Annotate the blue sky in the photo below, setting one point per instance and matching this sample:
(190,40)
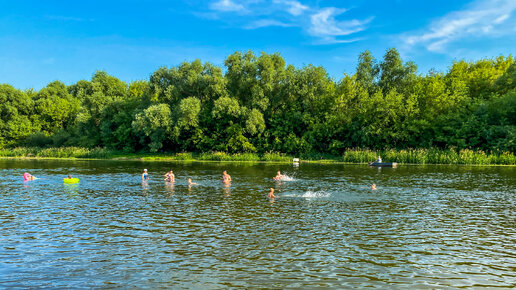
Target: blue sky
(43,41)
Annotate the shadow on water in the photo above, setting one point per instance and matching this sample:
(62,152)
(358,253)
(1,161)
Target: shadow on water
(424,227)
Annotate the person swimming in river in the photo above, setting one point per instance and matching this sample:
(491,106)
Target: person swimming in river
(226,178)
(69,176)
(28,177)
(278,176)
(271,193)
(190,183)
(169,176)
(373,186)
(145,175)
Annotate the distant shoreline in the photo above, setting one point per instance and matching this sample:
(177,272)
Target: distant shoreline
(351,156)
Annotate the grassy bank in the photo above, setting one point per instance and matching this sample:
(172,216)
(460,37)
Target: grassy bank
(407,156)
(102,153)
(431,156)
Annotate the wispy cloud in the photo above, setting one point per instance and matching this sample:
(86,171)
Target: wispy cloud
(266,23)
(485,17)
(227,6)
(320,23)
(293,7)
(325,26)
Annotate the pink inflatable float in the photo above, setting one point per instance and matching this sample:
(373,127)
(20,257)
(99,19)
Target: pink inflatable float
(28,177)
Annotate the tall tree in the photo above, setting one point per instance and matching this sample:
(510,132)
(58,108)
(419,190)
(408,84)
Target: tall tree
(15,111)
(367,71)
(55,108)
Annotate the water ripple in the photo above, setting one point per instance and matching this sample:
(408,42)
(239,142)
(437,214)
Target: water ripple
(425,227)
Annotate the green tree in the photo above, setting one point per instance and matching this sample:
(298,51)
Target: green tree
(254,123)
(395,74)
(367,71)
(205,82)
(186,130)
(15,112)
(506,82)
(55,108)
(153,123)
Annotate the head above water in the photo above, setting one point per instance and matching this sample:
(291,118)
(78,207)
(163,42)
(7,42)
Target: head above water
(69,176)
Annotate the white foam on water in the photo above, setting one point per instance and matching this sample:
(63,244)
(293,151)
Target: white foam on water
(310,194)
(316,194)
(287,178)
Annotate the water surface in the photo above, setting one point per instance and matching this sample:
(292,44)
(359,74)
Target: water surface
(425,226)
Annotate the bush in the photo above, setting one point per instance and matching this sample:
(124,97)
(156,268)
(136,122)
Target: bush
(275,156)
(38,139)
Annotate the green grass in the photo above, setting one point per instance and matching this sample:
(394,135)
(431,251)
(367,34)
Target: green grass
(62,152)
(431,156)
(405,156)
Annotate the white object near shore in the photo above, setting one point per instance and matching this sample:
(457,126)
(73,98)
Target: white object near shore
(295,160)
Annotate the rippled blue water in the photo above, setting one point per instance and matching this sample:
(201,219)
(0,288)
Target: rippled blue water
(425,226)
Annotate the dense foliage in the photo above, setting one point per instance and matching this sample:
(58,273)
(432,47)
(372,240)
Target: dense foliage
(260,104)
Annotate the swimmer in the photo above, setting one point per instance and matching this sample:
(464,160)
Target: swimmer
(278,176)
(373,187)
(169,176)
(226,178)
(271,193)
(190,183)
(145,175)
(28,177)
(69,176)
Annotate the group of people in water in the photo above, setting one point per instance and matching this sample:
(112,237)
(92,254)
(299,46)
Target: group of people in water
(170,177)
(226,179)
(29,177)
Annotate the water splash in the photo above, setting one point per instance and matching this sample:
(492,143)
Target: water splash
(287,178)
(310,194)
(315,194)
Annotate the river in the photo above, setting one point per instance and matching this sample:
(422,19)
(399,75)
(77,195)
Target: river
(424,227)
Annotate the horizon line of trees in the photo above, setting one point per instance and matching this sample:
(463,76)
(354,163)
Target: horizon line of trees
(261,104)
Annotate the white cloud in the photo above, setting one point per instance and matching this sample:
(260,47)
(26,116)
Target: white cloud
(227,5)
(501,19)
(266,23)
(482,18)
(332,40)
(293,7)
(320,23)
(324,25)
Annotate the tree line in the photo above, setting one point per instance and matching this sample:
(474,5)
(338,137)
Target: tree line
(261,104)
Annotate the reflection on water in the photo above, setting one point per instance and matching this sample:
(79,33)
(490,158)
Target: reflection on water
(425,226)
(227,188)
(169,187)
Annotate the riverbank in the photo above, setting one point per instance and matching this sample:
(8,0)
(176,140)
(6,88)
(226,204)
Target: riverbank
(361,156)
